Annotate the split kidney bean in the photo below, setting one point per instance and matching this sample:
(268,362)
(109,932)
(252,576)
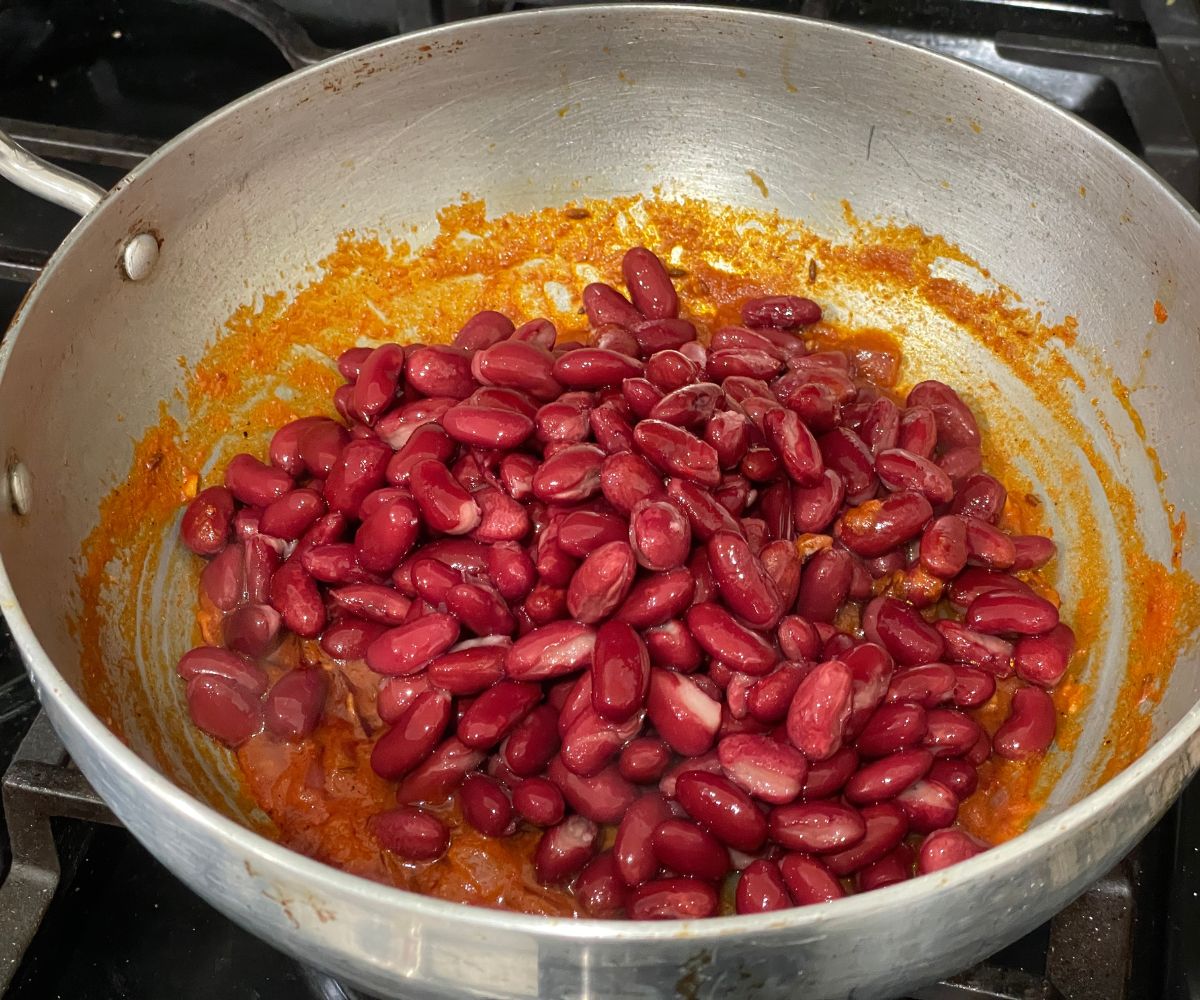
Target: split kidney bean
(412,833)
(1029,729)
(892,727)
(820,709)
(808,881)
(769,770)
(445,505)
(816,827)
(590,742)
(901,470)
(746,361)
(626,479)
(685,716)
(644,760)
(722,808)
(722,637)
(928,805)
(673,899)
(689,850)
(551,651)
(886,828)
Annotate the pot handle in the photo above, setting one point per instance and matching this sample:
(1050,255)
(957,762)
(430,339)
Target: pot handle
(45,180)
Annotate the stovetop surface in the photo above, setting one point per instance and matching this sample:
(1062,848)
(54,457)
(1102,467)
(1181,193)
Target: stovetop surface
(133,73)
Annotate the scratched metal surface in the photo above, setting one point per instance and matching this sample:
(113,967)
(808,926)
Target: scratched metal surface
(821,114)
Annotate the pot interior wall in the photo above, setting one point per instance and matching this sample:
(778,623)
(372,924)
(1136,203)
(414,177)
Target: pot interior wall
(793,118)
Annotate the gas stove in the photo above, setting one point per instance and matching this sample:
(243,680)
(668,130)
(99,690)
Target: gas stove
(85,911)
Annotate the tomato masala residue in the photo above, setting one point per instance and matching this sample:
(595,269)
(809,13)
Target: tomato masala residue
(317,796)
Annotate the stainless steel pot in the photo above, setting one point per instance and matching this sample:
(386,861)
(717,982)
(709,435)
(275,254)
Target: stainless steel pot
(694,97)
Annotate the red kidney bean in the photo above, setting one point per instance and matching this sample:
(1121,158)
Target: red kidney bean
(603,798)
(633,849)
(595,368)
(470,670)
(294,703)
(987,545)
(944,546)
(611,430)
(997,613)
(689,406)
(506,399)
(980,496)
(814,508)
(334,563)
(516,475)
(892,727)
(563,421)
(414,736)
(889,870)
(207,519)
(673,899)
(495,712)
(358,471)
(927,685)
(818,714)
(888,776)
(249,481)
(880,430)
(516,364)
(294,594)
(685,716)
(783,312)
(428,441)
(620,672)
(816,827)
(673,647)
(604,304)
(501,518)
(956,774)
(965,645)
(599,889)
(670,370)
(412,833)
(440,773)
(537,331)
(656,599)
(1032,552)
(815,403)
(483,330)
(886,827)
(944,848)
(1029,729)
(444,504)
(705,589)
(252,629)
(955,423)
(980,750)
(292,515)
(798,638)
(655,335)
(626,479)
(378,379)
(741,338)
(480,608)
(571,475)
(510,569)
(906,635)
(783,566)
(824,584)
(485,806)
(761,889)
(539,802)
(533,741)
(844,453)
(770,697)
(601,583)
(877,526)
(704,514)
(827,777)
(433,578)
(949,733)
(486,426)
(640,396)
(796,447)
(972,687)
(644,760)
(1043,659)
(396,694)
(871,667)
(348,637)
(408,648)
(918,431)
(590,742)
(808,881)
(677,452)
(223,579)
(689,850)
(545,605)
(320,446)
(775,508)
(649,285)
(769,770)
(224,710)
(742,361)
(722,808)
(229,667)
(729,434)
(707,763)
(902,470)
(974,581)
(551,651)
(386,535)
(722,637)
(743,582)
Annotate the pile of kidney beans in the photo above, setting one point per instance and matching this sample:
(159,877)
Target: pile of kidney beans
(732,600)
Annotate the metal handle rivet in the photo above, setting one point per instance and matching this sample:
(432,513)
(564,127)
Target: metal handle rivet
(20,488)
(139,256)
